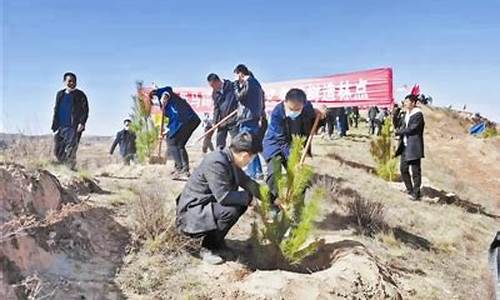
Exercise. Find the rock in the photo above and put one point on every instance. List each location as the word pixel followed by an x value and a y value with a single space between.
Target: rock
pixel 24 192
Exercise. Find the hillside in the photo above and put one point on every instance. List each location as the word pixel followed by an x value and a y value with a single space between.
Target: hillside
pixel 106 232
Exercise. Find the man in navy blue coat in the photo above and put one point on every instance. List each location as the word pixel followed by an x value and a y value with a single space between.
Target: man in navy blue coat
pixel 125 138
pixel 182 122
pixel 294 116
pixel 225 103
pixel 250 98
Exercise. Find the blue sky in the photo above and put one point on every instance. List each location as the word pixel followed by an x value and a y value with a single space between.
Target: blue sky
pixel 452 48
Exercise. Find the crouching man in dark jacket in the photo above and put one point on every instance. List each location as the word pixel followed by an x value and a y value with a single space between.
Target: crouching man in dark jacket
pixel 211 202
pixel 411 146
pixel 125 138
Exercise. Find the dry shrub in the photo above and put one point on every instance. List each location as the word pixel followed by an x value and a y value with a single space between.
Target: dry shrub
pixel 368 215
pixel 153 223
pixel 157 266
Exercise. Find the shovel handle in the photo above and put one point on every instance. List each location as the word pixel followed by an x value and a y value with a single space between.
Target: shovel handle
pixel 217 125
pixel 309 139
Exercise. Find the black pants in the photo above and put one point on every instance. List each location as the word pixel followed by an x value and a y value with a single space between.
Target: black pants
pixel 207 143
pixel 127 158
pixel 271 170
pixel 330 124
pixel 416 174
pixel 225 218
pixel 371 124
pixel 221 137
pixel 176 145
pixel 66 142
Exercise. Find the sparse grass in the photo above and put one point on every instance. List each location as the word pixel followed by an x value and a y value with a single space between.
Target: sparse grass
pixel 158 276
pixel 32 152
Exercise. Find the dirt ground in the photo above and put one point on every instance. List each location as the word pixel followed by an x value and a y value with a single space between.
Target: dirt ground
pixel 434 249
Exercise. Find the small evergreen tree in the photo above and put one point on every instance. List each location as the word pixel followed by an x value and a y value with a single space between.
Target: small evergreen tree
pixel 289 230
pixel 147 134
pixel 382 151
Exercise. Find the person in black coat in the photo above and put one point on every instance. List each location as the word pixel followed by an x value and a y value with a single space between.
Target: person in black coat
pixel 71 111
pixel 211 201
pixel 372 116
pixel 225 103
pixel 396 116
pixel 125 138
pixel 355 116
pixel 411 146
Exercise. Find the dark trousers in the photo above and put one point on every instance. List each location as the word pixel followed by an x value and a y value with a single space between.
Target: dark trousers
pixel 127 158
pixel 225 218
pixel 207 143
pixel 416 174
pixel 330 124
pixel 372 125
pixel 272 169
pixel 220 140
pixel 66 142
pixel 176 145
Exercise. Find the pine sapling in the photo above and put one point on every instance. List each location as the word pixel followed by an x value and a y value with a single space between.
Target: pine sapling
pixel 288 231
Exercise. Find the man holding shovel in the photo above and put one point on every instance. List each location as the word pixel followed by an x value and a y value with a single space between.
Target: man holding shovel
pixel 182 122
pixel 294 116
pixel 224 104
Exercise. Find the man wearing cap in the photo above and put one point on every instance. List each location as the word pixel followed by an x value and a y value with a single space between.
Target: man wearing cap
pixel 182 122
pixel 211 202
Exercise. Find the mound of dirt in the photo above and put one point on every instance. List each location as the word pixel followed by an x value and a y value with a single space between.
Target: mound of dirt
pixel 51 247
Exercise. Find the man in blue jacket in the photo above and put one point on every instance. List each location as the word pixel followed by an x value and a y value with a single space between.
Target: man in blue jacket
pixel 224 104
pixel 125 138
pixel 182 122
pixel 68 123
pixel 294 116
pixel 250 98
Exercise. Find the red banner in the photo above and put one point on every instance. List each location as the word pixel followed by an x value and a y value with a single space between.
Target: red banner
pixel 364 88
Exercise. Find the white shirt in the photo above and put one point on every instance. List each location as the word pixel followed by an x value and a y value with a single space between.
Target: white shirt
pixel 407 120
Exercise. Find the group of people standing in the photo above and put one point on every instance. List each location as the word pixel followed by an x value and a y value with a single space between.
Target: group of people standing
pixel 339 119
pixel 218 192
